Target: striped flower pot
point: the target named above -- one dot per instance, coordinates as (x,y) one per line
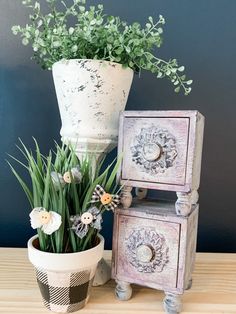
(65,279)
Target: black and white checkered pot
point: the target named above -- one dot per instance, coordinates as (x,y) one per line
(65,279)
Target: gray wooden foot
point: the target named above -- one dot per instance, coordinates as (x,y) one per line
(123,290)
(189,285)
(141,193)
(172,303)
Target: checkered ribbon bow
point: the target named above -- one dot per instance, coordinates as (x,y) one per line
(81,223)
(108,200)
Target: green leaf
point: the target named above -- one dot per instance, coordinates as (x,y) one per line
(119,50)
(177,89)
(15,29)
(128,49)
(82,8)
(168,72)
(25,41)
(181,69)
(71,30)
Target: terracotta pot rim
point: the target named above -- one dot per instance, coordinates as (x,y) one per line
(64,61)
(35,237)
(65,261)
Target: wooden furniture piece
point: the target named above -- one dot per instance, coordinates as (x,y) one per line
(154,243)
(213,290)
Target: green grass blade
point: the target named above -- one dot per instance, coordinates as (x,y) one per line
(38,156)
(23,185)
(18,161)
(47,182)
(112,176)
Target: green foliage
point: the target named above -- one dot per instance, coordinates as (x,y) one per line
(71,199)
(95,35)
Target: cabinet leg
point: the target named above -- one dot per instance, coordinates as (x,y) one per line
(172,303)
(126,196)
(123,290)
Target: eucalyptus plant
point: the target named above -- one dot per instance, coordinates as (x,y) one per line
(59,201)
(95,35)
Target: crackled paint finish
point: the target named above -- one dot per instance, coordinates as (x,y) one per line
(90,94)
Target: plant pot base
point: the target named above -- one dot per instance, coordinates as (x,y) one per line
(65,292)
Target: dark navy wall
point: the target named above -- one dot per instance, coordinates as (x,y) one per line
(202,36)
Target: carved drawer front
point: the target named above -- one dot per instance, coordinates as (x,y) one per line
(162,150)
(147,251)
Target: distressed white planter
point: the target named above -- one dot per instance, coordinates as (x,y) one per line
(90,94)
(65,279)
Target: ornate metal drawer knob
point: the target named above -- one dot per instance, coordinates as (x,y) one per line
(144,253)
(151,151)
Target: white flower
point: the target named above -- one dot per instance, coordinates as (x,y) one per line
(47,221)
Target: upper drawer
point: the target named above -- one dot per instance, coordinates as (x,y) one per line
(161,149)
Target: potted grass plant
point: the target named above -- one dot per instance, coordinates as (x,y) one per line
(93,57)
(67,200)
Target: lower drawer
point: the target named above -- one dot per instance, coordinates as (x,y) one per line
(147,251)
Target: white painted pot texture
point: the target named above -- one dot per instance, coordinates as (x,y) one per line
(65,279)
(91,94)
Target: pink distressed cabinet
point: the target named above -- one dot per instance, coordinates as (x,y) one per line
(154,242)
